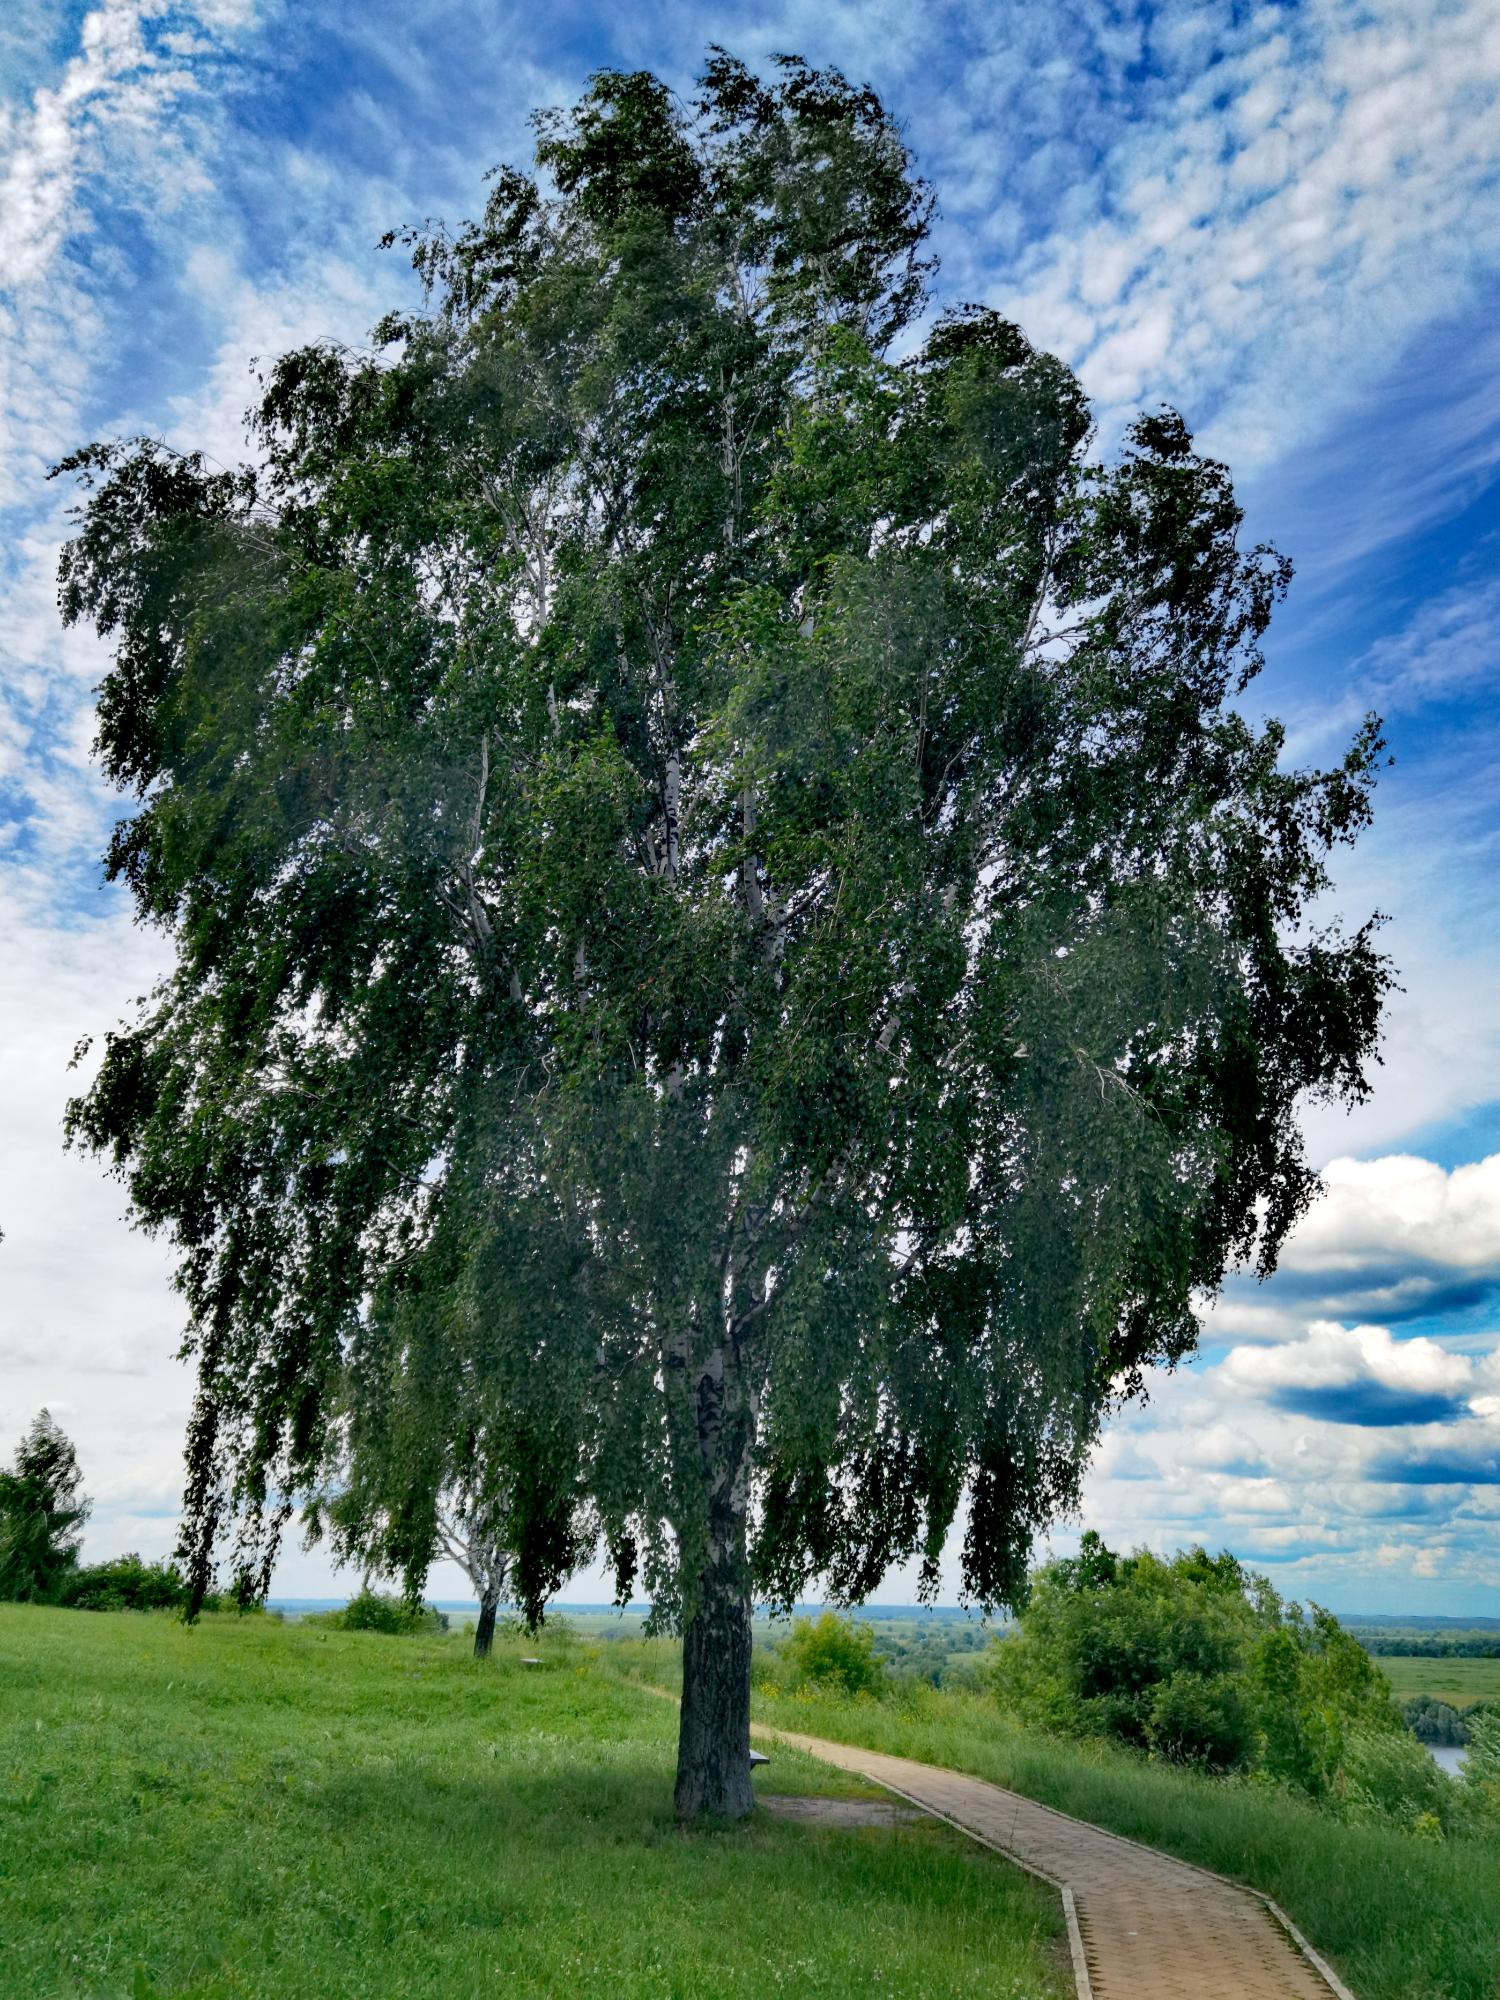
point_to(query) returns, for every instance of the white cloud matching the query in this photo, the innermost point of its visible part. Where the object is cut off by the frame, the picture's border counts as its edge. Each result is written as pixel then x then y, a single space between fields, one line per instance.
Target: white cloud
pixel 1304 201
pixel 1332 1356
pixel 1398 1211
pixel 115 117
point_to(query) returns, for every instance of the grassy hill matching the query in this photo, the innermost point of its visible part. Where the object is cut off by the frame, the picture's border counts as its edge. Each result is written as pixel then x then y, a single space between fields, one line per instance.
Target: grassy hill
pixel 254 1811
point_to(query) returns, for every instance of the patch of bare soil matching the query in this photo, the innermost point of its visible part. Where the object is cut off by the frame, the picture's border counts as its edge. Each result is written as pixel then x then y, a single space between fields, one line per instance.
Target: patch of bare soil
pixel 838 1812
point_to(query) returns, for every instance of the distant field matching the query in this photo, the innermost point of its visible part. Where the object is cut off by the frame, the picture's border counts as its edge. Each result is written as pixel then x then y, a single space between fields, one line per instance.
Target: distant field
pixel 1456 1681
pixel 941 1644
pixel 252 1810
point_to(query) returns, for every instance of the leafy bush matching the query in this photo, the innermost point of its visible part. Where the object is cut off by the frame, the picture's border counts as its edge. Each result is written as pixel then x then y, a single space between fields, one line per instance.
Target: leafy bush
pixel 126 1584
pixel 1482 1764
pixel 379 1611
pixel 1201 1719
pixel 1200 1661
pixel 832 1653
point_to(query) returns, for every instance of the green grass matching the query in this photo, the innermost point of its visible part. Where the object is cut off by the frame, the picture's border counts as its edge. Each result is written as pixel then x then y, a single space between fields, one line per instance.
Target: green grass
pixel 1456 1681
pixel 1400 1918
pixel 252 1810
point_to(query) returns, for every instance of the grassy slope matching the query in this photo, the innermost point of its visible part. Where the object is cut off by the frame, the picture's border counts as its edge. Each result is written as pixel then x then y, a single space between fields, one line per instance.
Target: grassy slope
pixel 1401 1918
pixel 1458 1681
pixel 251 1810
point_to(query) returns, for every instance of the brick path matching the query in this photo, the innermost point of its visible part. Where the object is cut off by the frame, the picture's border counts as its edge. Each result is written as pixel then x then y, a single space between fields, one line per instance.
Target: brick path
pixel 1147 1927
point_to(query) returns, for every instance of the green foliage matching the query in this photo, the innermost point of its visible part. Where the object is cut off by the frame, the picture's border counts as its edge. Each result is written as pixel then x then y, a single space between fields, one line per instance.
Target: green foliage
pixel 247 1810
pixel 124 1584
pixel 1197 1660
pixel 378 1611
pixel 737 956
pixel 1433 1721
pixel 830 1652
pixel 41 1513
pixel 1482 1762
pixel 1387 1775
pixel 1197 1718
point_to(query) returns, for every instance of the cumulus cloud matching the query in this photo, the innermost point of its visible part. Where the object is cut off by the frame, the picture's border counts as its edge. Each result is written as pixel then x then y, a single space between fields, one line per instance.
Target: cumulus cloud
pixel 1393 1238
pixel 1354 1375
pixel 1403 1209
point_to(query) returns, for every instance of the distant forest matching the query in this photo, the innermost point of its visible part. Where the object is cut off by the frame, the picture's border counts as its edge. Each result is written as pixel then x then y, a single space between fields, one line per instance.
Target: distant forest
pixel 1429 1638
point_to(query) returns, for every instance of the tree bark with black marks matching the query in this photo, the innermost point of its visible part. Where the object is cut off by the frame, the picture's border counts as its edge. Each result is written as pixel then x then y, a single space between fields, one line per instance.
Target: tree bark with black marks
pixel 484 1631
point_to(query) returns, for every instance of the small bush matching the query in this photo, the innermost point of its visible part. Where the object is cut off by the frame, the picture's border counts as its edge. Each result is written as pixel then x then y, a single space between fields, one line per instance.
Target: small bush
pixel 1389 1776
pixel 1481 1780
pixel 379 1611
pixel 831 1653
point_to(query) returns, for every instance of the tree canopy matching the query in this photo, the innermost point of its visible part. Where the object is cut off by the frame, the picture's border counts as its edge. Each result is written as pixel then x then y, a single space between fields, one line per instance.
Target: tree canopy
pixel 733 948
pixel 42 1510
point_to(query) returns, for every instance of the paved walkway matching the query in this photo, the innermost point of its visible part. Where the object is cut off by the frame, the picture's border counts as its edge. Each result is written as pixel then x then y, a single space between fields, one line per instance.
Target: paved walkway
pixel 1143 1926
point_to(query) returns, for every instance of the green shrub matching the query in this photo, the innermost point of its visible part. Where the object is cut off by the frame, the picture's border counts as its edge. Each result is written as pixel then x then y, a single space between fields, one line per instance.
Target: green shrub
pixel 1481 1780
pixel 833 1653
pixel 380 1611
pixel 125 1584
pixel 1201 1719
pixel 1388 1776
pixel 1196 1660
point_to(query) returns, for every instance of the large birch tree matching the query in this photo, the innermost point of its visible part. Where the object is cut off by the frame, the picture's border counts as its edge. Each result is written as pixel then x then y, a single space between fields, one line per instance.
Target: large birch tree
pixel 726 913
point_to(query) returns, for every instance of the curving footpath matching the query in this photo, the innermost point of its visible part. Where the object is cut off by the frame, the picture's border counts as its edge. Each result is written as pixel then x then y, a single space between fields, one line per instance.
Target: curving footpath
pixel 1142 1925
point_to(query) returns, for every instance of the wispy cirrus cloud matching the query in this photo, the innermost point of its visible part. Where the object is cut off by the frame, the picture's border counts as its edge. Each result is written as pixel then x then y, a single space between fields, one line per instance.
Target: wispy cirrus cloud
pixel 1323 185
pixel 113 129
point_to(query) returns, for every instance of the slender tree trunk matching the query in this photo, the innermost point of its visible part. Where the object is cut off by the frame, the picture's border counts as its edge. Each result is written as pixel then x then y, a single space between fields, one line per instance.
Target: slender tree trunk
pixel 484 1631
pixel 713 1740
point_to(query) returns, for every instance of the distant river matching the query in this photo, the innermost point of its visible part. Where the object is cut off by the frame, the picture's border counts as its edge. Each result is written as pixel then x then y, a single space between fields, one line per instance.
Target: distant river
pixel 1449 1755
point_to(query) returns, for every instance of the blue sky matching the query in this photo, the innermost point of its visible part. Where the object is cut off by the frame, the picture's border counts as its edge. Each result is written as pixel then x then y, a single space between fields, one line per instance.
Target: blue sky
pixel 1283 219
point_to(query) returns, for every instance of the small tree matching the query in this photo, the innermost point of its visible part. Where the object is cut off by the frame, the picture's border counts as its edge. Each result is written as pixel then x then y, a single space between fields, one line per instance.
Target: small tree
pixel 722 894
pixel 439 1456
pixel 41 1513
pixel 471 1537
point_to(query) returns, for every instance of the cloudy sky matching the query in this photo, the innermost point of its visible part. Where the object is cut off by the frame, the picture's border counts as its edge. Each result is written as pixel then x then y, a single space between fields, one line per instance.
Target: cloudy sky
pixel 1285 220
